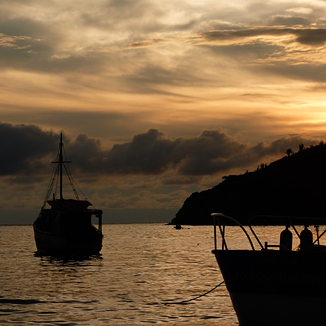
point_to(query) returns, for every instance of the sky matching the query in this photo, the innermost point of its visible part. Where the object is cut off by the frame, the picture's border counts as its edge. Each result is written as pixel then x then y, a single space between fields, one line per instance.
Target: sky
pixel 156 99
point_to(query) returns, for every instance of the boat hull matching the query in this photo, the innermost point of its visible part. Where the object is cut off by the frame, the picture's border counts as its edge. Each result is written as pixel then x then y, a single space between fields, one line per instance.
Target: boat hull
pixel 257 309
pixel 73 244
pixel 275 288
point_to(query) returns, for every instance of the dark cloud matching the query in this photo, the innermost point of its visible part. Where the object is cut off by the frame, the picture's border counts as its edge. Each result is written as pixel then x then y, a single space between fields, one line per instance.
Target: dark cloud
pixel 273 57
pixel 150 76
pixel 250 51
pixel 39 36
pixel 313 37
pixel 307 72
pixel 27 149
pixel 147 43
pixel 37 46
pixel 39 56
pixel 152 153
pixel 23 148
pixel 86 153
pixel 307 36
pixel 148 153
pixel 261 152
pixel 18 26
pixel 288 20
pixel 206 154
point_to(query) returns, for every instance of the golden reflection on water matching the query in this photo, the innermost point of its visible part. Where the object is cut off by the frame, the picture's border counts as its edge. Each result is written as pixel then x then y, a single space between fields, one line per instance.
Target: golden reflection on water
pixel 141 268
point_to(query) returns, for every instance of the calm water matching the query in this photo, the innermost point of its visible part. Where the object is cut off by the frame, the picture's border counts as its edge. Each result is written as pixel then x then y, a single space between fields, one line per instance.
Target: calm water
pixel 141 268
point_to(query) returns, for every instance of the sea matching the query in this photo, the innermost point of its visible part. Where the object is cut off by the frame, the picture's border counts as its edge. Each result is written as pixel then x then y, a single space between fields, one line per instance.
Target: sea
pixel 146 274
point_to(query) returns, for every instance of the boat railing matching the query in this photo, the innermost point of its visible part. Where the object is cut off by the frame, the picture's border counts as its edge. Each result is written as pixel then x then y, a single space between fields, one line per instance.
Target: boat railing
pixel 217 217
pixel 220 220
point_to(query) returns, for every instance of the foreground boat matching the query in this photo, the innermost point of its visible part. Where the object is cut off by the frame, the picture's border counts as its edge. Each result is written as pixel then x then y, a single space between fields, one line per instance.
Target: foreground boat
pixel 64 226
pixel 275 285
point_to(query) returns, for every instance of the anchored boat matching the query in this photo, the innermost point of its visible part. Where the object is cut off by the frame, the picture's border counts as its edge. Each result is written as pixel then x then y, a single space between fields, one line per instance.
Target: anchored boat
pixel 64 226
pixel 272 283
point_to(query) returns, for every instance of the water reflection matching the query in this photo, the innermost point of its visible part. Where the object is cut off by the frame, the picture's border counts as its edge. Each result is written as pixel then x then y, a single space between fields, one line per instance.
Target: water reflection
pixel 139 268
pixel 61 274
pixel 69 259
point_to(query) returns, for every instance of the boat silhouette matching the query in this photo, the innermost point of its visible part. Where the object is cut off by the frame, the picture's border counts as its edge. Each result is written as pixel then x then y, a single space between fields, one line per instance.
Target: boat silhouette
pixel 275 284
pixel 64 226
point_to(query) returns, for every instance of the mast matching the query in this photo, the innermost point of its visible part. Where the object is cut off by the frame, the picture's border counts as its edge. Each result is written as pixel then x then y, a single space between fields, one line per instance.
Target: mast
pixel 60 165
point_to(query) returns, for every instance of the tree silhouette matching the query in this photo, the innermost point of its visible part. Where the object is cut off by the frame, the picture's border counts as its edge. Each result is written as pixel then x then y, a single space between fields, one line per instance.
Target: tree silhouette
pixel 289 151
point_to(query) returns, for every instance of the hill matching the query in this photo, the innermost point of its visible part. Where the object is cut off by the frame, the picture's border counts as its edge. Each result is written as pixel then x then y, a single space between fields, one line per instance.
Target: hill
pixel 291 186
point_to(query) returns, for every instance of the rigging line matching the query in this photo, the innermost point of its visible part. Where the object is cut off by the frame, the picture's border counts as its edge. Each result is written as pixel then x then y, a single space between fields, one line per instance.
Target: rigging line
pixel 54 179
pixel 72 184
pixel 51 183
pixel 77 186
pixel 192 299
pixel 66 167
pixel 53 176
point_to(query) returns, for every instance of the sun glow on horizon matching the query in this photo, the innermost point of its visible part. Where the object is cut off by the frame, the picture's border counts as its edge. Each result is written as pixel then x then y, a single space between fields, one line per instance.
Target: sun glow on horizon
pixel 157 99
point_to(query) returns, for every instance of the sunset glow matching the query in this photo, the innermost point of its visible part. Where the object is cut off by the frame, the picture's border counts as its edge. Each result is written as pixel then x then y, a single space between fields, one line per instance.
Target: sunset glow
pixel 156 99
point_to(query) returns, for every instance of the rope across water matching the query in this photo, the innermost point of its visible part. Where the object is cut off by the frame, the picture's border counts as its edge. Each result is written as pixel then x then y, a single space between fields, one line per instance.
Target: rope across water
pixel 195 298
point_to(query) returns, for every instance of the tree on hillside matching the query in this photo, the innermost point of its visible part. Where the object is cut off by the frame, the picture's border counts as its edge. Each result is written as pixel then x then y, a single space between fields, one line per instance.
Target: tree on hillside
pixel 289 151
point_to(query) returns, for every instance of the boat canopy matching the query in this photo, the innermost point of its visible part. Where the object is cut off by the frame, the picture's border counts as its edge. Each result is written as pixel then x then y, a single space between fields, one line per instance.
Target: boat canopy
pixel 73 205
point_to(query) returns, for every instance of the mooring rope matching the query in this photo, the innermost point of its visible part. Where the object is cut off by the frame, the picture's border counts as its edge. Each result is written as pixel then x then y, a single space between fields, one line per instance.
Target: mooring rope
pixel 195 298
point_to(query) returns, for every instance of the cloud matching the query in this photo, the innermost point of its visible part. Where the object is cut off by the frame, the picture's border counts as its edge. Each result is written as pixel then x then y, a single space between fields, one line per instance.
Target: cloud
pixel 306 36
pixel 264 153
pixel 28 149
pixel 223 82
pixel 12 41
pixel 300 10
pixel 147 153
pixel 288 20
pixel 141 199
pixel 24 147
pixel 147 43
pixel 210 153
pixel 151 153
pixel 313 37
pixel 145 46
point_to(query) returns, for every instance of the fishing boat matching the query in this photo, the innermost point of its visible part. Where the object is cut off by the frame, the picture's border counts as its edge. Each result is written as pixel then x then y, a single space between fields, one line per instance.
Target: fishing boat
pixel 272 283
pixel 64 226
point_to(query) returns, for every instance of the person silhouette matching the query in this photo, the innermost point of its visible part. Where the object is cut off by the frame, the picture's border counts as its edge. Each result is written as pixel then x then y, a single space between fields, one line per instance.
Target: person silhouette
pixel 306 239
pixel 286 239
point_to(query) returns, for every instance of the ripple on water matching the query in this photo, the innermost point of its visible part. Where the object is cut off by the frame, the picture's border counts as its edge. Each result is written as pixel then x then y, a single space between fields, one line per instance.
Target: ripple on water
pixel 141 267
